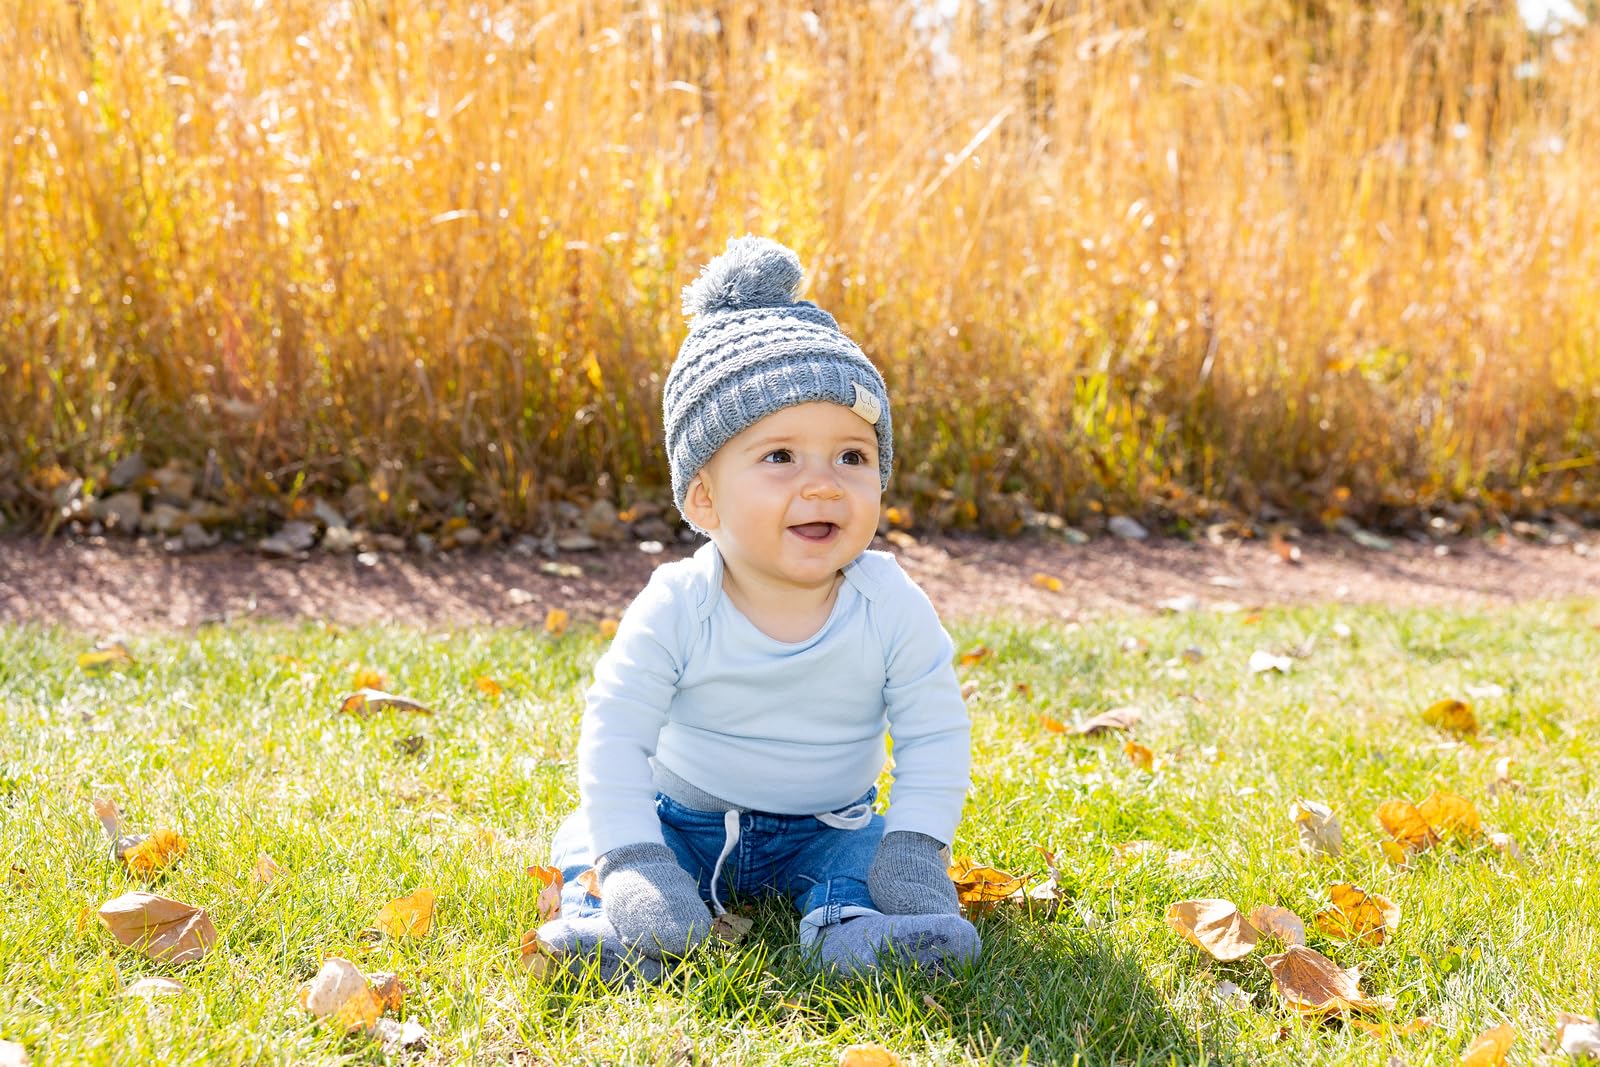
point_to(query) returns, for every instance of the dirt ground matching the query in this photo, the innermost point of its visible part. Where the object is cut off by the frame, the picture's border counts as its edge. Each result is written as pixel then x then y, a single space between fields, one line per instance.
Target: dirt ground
pixel 127 587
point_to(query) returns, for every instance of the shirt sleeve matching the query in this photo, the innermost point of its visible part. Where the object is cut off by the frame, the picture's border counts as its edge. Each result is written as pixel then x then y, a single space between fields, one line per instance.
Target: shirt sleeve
pixel 624 710
pixel 928 722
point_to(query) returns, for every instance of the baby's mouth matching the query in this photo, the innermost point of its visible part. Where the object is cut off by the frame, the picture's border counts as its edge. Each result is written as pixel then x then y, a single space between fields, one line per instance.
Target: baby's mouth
pixel 814 531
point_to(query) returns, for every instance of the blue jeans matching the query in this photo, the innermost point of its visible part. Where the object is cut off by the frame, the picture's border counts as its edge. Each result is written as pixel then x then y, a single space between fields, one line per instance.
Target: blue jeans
pixel 820 867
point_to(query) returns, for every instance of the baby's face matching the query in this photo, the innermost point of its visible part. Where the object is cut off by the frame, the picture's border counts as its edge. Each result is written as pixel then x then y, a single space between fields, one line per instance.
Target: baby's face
pixel 795 496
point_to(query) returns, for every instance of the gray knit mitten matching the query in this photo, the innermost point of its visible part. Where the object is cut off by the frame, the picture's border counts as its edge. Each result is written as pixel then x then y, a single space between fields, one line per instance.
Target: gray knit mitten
pixel 590 941
pixel 909 876
pixel 652 901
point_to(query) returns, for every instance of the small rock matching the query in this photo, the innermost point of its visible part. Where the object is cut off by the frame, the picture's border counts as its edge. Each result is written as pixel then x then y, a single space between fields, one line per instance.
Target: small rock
pixel 519 597
pixel 165 519
pixel 600 520
pixel 195 537
pixel 652 529
pixel 1127 529
pixel 367 559
pixel 577 542
pixel 174 484
pixel 1261 662
pixel 525 545
pixel 467 536
pixel 1225 581
pixel 558 569
pixel 338 539
pixel 1179 605
pixel 325 513
pixel 128 470
pixel 425 544
pixel 1074 536
pixel 386 542
pixel 294 538
pixel 120 511
pixel 651 548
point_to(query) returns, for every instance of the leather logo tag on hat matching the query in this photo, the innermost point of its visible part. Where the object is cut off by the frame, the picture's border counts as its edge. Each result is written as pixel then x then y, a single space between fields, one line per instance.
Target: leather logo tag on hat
pixel 866 404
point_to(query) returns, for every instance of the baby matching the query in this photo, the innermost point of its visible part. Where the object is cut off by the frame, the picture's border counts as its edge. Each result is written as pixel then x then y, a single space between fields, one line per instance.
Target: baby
pixel 735 727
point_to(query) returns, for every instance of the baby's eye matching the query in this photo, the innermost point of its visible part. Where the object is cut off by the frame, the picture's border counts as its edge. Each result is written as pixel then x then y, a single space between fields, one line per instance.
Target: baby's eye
pixel 777 455
pixel 853 456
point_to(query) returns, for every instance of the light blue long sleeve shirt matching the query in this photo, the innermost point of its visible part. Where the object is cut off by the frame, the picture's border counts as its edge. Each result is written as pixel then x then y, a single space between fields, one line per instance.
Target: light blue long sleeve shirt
pixel 767 725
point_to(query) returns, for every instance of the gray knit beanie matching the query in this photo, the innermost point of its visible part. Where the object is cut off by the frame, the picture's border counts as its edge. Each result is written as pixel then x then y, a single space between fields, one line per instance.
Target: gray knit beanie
pixel 753 349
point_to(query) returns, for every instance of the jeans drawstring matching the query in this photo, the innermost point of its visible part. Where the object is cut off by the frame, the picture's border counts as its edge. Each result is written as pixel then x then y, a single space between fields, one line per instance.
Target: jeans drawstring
pixel 730 829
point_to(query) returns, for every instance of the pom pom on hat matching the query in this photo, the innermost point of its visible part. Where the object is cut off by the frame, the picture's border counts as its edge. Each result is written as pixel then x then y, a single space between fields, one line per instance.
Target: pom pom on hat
pixel 754 272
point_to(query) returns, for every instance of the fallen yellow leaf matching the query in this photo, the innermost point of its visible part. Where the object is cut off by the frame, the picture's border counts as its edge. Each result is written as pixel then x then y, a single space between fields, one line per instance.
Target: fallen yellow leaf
pixel 1055 726
pixel 979 887
pixel 975 655
pixel 608 628
pixel 1215 926
pixel 266 870
pixel 1139 755
pixel 157 851
pixel 1048 581
pixel 731 928
pixel 539 958
pixel 341 993
pixel 1309 983
pixel 366 678
pixel 868 1056
pixel 1449 813
pixel 555 621
pixel 489 687
pixel 1406 824
pixel 1489 1048
pixel 115 655
pixel 407 916
pixel 1396 853
pixel 1579 1035
pixel 1357 913
pixel 1453 717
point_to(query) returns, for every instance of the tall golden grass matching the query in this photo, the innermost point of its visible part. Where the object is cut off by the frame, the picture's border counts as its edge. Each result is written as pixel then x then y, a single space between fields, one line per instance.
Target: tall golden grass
pixel 1169 258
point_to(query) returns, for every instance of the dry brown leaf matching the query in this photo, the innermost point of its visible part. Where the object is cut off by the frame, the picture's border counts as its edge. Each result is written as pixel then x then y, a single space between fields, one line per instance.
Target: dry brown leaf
pixel 1309 983
pixel 976 654
pixel 266 870
pixel 342 993
pixel 1319 827
pixel 538 958
pixel 13 1054
pixel 1403 821
pixel 489 687
pixel 1453 717
pixel 731 928
pixel 979 887
pixel 163 929
pixel 407 916
pixel 868 1056
pixel 555 621
pixel 1281 923
pixel 1392 1030
pixel 1579 1035
pixel 153 987
pixel 1115 719
pixel 549 903
pixel 101 659
pixel 1285 550
pixel 590 880
pixel 391 992
pixel 366 701
pixel 1489 1048
pixel 1503 781
pixel 155 852
pixel 1357 913
pixel 1215 926
pixel 1448 813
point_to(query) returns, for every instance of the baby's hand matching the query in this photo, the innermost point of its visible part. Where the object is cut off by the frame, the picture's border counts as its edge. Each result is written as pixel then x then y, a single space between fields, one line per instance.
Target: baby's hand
pixel 651 900
pixel 909 876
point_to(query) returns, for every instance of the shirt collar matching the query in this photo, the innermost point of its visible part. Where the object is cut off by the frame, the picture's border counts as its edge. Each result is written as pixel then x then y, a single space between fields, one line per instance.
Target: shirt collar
pixel 709 558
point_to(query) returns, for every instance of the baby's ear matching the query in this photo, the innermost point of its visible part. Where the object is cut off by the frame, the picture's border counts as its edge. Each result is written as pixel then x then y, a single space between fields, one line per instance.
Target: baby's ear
pixel 698 507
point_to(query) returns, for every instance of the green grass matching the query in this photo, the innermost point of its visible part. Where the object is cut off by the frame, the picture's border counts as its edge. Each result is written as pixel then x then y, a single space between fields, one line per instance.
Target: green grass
pixel 230 736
